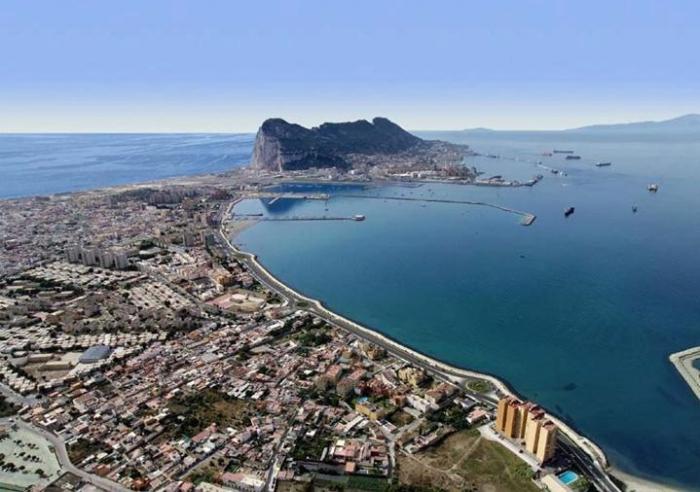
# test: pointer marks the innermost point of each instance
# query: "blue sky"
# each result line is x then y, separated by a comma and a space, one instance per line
225, 65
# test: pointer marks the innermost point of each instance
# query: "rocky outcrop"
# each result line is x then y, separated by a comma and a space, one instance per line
283, 146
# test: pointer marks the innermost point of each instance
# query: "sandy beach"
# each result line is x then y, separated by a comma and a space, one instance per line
638, 484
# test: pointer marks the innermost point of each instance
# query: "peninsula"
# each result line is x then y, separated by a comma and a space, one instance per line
283, 146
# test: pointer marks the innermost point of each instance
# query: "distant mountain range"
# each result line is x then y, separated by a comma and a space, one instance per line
687, 124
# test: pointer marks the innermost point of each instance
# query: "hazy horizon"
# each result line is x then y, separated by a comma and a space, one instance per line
416, 130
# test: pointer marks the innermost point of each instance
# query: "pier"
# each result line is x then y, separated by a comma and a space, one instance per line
526, 220
287, 196
255, 217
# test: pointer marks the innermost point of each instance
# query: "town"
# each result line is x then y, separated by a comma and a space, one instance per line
153, 356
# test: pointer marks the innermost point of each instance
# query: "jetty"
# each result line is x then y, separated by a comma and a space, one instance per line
287, 196
267, 218
527, 217
683, 361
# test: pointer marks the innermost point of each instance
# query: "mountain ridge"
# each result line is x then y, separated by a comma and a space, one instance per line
687, 123
280, 145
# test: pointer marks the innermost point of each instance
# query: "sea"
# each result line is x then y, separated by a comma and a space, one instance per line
578, 313
40, 164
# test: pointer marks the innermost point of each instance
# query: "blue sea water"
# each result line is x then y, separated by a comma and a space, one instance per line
579, 313
38, 164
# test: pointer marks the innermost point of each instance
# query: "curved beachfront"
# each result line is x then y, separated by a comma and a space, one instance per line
596, 455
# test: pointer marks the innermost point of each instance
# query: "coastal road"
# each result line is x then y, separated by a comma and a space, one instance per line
593, 470
63, 459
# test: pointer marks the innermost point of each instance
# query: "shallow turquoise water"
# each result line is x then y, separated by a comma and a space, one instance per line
579, 314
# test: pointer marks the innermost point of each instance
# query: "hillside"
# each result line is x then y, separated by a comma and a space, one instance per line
280, 145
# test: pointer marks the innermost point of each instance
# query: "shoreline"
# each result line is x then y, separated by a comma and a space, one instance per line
592, 450
633, 483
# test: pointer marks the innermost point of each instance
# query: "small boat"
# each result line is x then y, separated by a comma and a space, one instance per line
653, 187
634, 209
547, 154
572, 157
603, 164
358, 217
568, 211
559, 151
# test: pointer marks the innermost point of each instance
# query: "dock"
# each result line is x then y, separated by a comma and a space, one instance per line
683, 361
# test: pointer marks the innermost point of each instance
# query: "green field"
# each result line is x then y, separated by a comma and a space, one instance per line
466, 461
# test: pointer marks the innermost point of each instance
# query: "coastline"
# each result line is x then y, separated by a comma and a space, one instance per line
635, 483
592, 450
631, 481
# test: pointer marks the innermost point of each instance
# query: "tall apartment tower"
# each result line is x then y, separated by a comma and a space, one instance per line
546, 443
510, 418
535, 416
501, 413
514, 420
528, 422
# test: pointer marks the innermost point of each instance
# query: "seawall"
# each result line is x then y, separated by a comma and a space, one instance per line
589, 447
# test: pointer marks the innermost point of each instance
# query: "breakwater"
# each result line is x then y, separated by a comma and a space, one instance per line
683, 362
527, 217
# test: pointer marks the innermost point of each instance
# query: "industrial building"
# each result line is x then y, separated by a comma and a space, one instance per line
94, 354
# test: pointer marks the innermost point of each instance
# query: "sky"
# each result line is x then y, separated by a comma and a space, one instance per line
209, 65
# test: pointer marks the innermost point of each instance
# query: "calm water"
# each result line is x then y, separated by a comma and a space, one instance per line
579, 314
53, 163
